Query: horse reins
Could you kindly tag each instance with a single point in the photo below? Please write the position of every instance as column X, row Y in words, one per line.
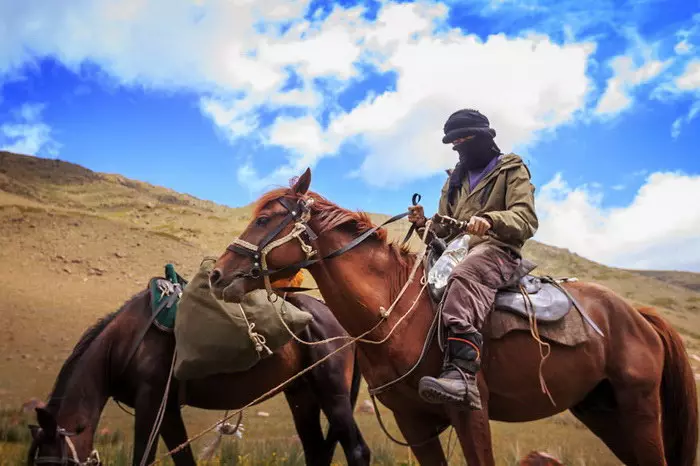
column 301, row 214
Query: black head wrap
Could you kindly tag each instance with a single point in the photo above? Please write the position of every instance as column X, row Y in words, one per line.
column 474, row 153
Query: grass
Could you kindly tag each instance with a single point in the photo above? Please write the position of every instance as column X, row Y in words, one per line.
column 44, row 309
column 272, row 442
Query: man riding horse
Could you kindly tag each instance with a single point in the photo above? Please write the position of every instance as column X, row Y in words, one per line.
column 493, row 193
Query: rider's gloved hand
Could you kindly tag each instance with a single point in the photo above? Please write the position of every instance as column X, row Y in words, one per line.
column 417, row 216
column 478, row 226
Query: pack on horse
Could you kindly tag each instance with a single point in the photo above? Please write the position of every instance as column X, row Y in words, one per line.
column 100, row 367
column 633, row 387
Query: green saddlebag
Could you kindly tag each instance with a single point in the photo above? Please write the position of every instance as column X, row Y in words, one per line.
column 213, row 336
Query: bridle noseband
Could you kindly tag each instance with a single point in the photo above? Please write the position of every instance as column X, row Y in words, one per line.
column 300, row 213
column 62, row 434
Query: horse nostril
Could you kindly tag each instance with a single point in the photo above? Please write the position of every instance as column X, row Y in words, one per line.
column 214, row 276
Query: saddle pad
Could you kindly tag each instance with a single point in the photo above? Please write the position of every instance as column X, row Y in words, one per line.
column 568, row 331
column 549, row 303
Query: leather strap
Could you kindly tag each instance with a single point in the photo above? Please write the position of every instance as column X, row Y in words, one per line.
column 414, row 200
column 166, row 303
column 337, row 252
column 576, row 304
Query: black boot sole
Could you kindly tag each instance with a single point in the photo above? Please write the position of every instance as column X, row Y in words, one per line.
column 432, row 392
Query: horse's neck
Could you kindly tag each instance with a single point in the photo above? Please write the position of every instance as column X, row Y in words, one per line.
column 85, row 395
column 359, row 283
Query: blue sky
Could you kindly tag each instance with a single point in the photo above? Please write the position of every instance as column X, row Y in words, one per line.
column 224, row 100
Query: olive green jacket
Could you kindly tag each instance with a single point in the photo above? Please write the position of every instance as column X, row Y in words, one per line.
column 505, row 196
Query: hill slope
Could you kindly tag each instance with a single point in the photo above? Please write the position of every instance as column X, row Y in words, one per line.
column 75, row 244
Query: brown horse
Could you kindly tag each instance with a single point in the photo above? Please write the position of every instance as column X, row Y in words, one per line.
column 634, row 388
column 96, row 371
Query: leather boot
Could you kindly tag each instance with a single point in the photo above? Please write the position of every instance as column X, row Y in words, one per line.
column 458, row 377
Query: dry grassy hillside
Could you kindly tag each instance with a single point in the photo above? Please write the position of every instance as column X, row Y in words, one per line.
column 75, row 244
column 688, row 280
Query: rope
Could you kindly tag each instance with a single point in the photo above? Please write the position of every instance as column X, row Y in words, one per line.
column 92, row 459
column 72, row 449
column 535, row 332
column 260, row 398
column 392, row 438
column 161, row 413
column 257, row 339
column 224, row 428
column 426, row 345
column 384, row 314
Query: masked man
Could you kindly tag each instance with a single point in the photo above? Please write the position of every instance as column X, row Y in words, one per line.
column 493, row 193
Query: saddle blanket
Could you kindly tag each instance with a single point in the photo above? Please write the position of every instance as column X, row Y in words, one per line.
column 570, row 330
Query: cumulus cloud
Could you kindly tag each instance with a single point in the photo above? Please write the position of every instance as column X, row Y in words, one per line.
column 27, row 133
column 656, row 230
column 639, row 65
column 248, row 59
column 524, row 85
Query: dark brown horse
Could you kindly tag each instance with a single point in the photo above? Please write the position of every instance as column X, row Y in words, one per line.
column 634, row 388
column 90, row 376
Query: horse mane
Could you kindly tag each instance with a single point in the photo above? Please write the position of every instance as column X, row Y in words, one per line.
column 89, row 336
column 332, row 216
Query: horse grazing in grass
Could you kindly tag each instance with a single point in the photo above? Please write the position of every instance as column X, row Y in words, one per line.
column 633, row 388
column 96, row 371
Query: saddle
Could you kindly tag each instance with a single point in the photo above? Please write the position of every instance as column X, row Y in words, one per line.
column 165, row 297
column 523, row 295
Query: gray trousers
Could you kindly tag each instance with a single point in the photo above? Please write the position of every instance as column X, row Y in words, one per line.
column 472, row 286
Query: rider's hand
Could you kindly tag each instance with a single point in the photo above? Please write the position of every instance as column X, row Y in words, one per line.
column 478, row 226
column 417, row 216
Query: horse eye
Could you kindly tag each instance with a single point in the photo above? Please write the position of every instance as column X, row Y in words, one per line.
column 262, row 221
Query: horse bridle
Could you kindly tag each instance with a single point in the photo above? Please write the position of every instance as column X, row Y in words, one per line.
column 300, row 214
column 62, row 434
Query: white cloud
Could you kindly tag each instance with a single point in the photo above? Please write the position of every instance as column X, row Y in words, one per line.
column 685, row 35
column 683, row 47
column 685, row 84
column 28, row 134
column 657, row 229
column 637, row 66
column 690, row 79
column 239, row 56
column 678, row 124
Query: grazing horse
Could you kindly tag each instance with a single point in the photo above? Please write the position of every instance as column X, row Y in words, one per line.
column 633, row 387
column 95, row 371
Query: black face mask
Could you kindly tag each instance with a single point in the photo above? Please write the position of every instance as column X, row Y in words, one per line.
column 476, row 153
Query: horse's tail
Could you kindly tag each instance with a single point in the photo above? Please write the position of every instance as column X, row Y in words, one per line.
column 679, row 402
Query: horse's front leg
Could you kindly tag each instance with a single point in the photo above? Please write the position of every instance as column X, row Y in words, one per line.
column 473, row 430
column 174, row 434
column 416, row 428
column 148, row 401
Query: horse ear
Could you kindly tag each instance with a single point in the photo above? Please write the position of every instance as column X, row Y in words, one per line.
column 303, row 183
column 47, row 422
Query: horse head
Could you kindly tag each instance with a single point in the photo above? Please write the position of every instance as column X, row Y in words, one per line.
column 273, row 246
column 52, row 444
